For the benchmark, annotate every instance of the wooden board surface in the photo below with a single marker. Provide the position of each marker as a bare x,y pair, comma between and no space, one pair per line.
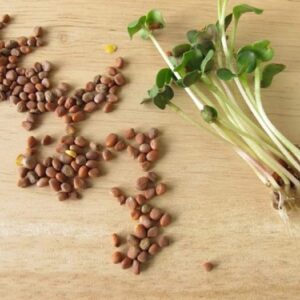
53,250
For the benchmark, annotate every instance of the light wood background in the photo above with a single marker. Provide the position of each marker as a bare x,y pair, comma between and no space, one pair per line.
53,250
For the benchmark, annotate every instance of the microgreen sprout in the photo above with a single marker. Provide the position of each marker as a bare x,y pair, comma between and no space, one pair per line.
218,78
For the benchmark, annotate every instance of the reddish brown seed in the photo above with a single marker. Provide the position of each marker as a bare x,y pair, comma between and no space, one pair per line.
23,182
56,164
132,240
117,257
116,240
142,183
149,193
119,63
111,140
23,172
6,18
54,184
67,139
152,232
60,177
140,199
153,249
133,252
47,140
145,243
67,171
119,79
160,189
112,98
90,107
129,134
32,142
154,144
143,257
122,199
136,267
116,192
66,187
81,141
107,155
153,133
145,221
51,172
165,220
208,266
38,31
70,129
132,151
135,214
145,148
44,181
78,116
163,241
29,162
27,125
92,155
95,172
140,138
152,155
108,107
83,172
62,196
126,263
141,157
152,176
120,146
131,203
146,165
92,164
79,183
155,214
74,195
111,71
140,231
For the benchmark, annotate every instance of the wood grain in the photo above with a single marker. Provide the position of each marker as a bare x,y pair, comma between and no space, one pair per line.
52,250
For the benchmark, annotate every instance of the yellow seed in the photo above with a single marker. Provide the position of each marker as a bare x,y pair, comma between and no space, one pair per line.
71,153
110,48
19,160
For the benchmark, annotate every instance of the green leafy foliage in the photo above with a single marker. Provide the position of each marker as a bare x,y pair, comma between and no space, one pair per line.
262,50
153,92
179,50
269,72
228,20
191,60
163,98
190,78
207,62
155,20
192,36
225,74
136,26
209,114
246,61
163,77
239,10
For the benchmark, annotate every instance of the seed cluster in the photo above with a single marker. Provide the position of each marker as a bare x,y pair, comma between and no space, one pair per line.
31,90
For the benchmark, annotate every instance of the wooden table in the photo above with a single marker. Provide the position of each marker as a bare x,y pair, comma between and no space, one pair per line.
222,213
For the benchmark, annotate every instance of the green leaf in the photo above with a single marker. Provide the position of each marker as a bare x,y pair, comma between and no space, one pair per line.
225,74
262,50
163,77
269,72
205,46
136,26
246,61
164,97
179,50
187,56
146,100
239,10
144,34
209,114
192,36
228,20
153,92
155,20
190,78
205,65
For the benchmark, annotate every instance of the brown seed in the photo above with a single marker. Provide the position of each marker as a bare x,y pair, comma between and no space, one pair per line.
112,98
11,75
153,249
155,214
70,129
62,196
92,164
117,257
154,144
111,71
81,141
47,140
51,172
116,192
83,172
152,176
116,241
140,199
145,243
132,151
152,155
46,66
56,164
208,266
22,172
149,193
74,195
142,183
27,125
160,189
29,88
129,134
54,184
135,214
105,80
153,133
32,142
136,267
120,146
140,138
163,241
29,162
119,79
140,231
40,170
95,172
23,182
145,209
66,187
141,157
144,148
42,182
126,263
165,220
132,240
79,183
90,107
111,140
145,221
143,257
80,160
95,147
64,158
67,171
133,252
67,139
32,177
60,177
5,18
78,116
119,63
122,199
152,232
146,165
92,155
108,107
131,203
107,155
